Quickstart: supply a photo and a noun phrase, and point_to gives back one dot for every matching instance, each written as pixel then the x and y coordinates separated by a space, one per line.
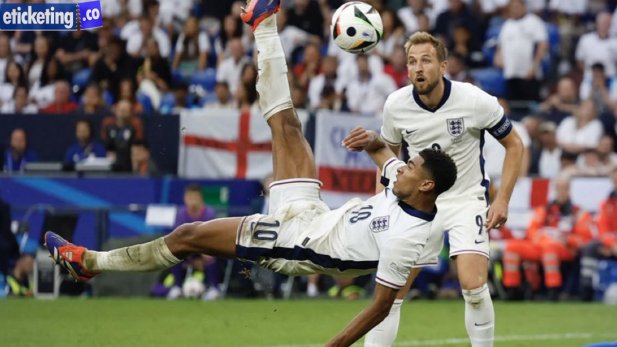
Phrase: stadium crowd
pixel 551 63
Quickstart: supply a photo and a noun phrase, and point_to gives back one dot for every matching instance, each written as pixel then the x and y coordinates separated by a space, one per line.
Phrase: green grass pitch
pixel 294 323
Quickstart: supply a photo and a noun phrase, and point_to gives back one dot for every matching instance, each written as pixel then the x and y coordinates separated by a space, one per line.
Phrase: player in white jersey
pixel 300 234
pixel 454 117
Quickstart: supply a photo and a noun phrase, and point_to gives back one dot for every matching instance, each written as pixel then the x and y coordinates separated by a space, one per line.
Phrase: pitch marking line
pixel 506 338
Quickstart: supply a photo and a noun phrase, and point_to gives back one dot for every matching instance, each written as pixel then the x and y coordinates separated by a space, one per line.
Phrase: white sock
pixel 384 334
pixel 150 256
pixel 479 316
pixel 272 83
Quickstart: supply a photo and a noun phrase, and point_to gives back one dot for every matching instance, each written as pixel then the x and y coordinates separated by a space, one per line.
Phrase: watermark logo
pixel 65 17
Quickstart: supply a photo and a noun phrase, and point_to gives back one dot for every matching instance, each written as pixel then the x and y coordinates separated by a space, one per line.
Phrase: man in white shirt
pixel 522 44
pixel 230 69
pixel 454 117
pixel 300 235
pixel 596 47
pixel 367 92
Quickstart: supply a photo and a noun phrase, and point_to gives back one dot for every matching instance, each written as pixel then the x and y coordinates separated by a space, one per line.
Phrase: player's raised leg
pixel 292 155
pixel 216 238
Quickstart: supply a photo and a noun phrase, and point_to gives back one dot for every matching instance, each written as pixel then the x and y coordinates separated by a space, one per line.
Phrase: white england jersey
pixel 456 126
pixel 380 233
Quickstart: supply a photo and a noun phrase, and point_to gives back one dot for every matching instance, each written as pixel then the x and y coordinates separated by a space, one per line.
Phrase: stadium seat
pixel 80 78
pixel 206 79
pixel 490 80
pixel 490 41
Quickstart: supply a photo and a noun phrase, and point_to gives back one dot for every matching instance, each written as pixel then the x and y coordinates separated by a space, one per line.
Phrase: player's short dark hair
pixel 193 187
pixel 441 168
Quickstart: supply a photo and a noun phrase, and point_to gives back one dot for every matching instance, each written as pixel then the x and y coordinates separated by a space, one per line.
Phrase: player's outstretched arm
pixel 367 319
pixel 360 139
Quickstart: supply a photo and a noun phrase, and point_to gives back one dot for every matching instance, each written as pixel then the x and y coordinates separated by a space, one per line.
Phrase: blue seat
pixel 490 80
pixel 81 78
pixel 206 79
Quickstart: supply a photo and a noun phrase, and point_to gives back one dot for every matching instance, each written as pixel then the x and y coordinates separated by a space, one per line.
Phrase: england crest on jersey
pixel 456 126
pixel 379 224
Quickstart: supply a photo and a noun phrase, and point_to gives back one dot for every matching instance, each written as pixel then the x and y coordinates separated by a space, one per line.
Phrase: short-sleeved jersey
pixel 456 126
pixel 381 233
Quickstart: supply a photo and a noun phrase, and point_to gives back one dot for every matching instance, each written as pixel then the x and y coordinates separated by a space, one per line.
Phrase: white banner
pixel 223 143
pixel 344 174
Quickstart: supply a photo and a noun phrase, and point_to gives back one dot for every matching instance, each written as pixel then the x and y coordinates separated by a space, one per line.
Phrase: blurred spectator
pixel 246 98
pixel 141 162
pixel 457 69
pixel 326 79
pixel 606 151
pixel 409 16
pixel 5 54
pixel 19 103
pixel 223 97
pixel 567 7
pixel 522 44
pixel 589 164
pixel 43 91
pixel 397 66
pixel 117 8
pixel 85 146
pixel 555 234
pixel 230 69
pixel 42 54
pixel 192 49
pixel 182 100
pixel 368 92
pixel 308 68
pixel 603 91
pixel 149 9
pixel 127 93
pixel 306 15
pixel 14 76
pixel 112 67
pixel 136 44
pixel 467 46
pixel 393 35
pixel 154 74
pixel 581 130
pixel 62 103
pixel 604 246
pixel 596 47
pixel 194 210
pixel 563 102
pixel 547 158
pixel 232 29
pixel 92 103
pixel 173 13
pixel 118 132
pixel 456 15
pixel 292 37
pixel 75 48
pixel 18 153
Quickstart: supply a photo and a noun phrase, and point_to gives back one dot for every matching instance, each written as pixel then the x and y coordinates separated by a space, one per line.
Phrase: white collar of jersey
pixel 446 94
pixel 417 213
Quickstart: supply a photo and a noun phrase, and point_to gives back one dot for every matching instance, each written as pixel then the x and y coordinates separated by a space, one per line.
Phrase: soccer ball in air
pixel 193 288
pixel 356 27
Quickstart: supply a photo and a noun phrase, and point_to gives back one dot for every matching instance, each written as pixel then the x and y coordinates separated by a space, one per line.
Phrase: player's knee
pixel 472 282
pixel 183 235
pixel 477 296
